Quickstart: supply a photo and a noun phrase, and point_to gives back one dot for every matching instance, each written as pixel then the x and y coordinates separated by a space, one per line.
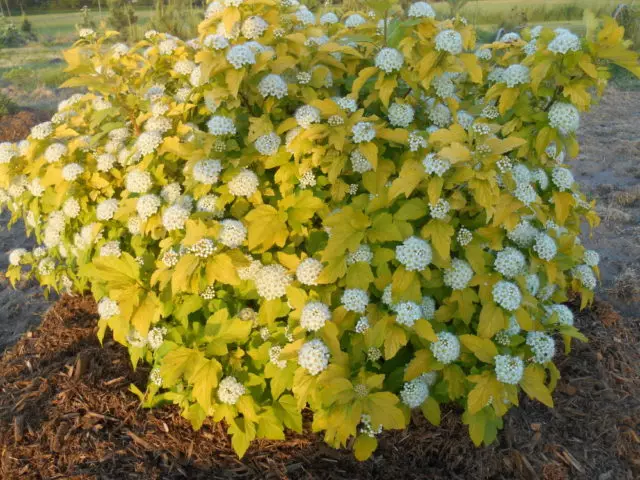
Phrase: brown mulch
pixel 66 412
pixel 15 127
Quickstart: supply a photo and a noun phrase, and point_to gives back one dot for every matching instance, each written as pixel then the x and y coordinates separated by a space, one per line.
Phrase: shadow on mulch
pixel 65 412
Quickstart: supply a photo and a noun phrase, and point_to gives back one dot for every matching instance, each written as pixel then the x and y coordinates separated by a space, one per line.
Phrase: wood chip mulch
pixel 66 412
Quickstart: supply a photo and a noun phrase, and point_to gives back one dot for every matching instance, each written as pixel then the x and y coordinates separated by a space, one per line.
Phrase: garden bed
pixel 66 412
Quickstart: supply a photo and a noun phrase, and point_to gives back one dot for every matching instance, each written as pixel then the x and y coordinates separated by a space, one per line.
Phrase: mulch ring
pixel 15 127
pixel 66 412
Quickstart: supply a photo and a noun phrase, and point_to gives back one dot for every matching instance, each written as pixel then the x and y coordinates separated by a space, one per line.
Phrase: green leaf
pixel 286 409
pixel 431 410
pixel 269 426
pixel 454 376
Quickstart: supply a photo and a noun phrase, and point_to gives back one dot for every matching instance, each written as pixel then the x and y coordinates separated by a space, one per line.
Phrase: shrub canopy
pixel 363 215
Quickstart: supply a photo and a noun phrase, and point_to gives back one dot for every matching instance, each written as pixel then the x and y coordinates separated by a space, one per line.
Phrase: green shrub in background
pixel 122 18
pixel 364 216
pixel 7 107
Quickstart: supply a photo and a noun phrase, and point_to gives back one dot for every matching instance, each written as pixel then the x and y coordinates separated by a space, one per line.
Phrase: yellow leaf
pixel 563 202
pixel 411 174
pixel 431 410
pixel 147 313
pixel 487 388
pixel 440 234
pixel 455 153
pixel 483 348
pixel 266 228
pixel 508 99
pixel 364 446
pixel 424 329
pixel 472 66
pixel 204 380
pixel 395 339
pixel 492 320
pixel 533 384
pixel 364 75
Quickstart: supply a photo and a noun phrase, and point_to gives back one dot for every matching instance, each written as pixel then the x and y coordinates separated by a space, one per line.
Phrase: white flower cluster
pixel 108 308
pixel 510 262
pixel 155 337
pixel 523 235
pixel 268 144
pixel 362 325
pixel 545 246
pixel 542 346
pixel 449 41
pixel 389 60
pixel 503 337
pixel 440 209
pixel 207 171
pixel 230 390
pixel 464 237
pixel 240 56
pixel 421 10
pixel 175 217
pixel 138 182
pixel 447 348
pixel 15 256
pixel 272 281
pixel 220 125
pixel 363 132
pixel 355 300
pixel 359 162
pixel 562 178
pixel 244 184
pixel 273 85
pixel 307 115
pixel 509 369
pixel 564 117
pixel 507 295
pixel 591 258
pixel 308 271
pixel 314 315
pixel 458 276
pixel 414 393
pixel 564 42
pixel 362 254
pixel 516 74
pixel 111 249
pixel 414 253
pixel 354 20
pixel 313 356
pixel 407 313
pixel 564 314
pixel 435 165
pixel 401 115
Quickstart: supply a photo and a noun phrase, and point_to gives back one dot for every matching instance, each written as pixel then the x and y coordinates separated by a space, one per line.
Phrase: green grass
pixel 61 25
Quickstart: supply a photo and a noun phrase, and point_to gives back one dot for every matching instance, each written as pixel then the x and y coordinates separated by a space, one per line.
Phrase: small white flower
pixel 273 86
pixel 232 234
pixel 447 348
pixel 414 253
pixel 510 262
pixel 314 315
pixel 459 275
pixel 219 125
pixel 421 10
pixel 355 300
pixel 414 393
pixel 244 184
pixel 268 144
pixel 564 314
pixel 55 152
pixel 564 42
pixel 308 271
pixel 564 117
pixel 207 171
pixel 389 60
pixel 306 115
pixel 313 356
pixel 516 75
pixel 449 41
pixel 407 313
pixel 507 295
pixel 545 246
pixel 272 281
pixel 240 56
pixel 363 132
pixel 562 178
pixel 542 346
pixel 42 130
pixel 107 308
pixel 230 390
pixel 509 369
pixel 175 217
pixel 401 115
pixel 354 20
pixel 106 209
